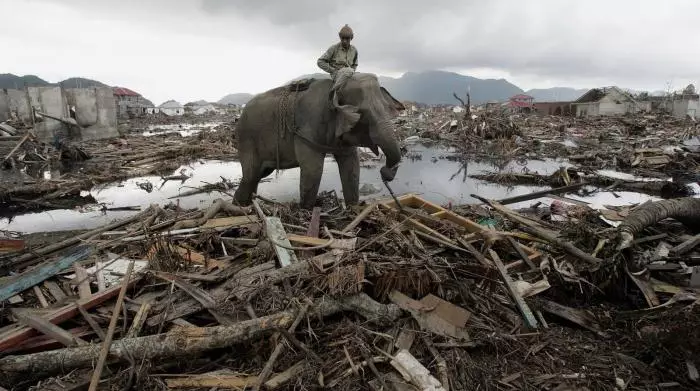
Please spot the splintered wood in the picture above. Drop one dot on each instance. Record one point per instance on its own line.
(421, 297)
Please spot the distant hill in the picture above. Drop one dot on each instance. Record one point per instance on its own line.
(8, 80)
(200, 102)
(79, 82)
(436, 87)
(556, 94)
(235, 99)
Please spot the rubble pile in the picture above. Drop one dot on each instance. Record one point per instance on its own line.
(104, 161)
(392, 295)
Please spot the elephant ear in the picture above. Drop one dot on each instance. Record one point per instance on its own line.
(394, 105)
(346, 117)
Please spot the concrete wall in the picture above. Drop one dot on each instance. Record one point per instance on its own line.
(19, 103)
(172, 111)
(95, 111)
(49, 100)
(83, 99)
(587, 109)
(4, 105)
(685, 107)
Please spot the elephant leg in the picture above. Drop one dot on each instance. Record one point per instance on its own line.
(311, 166)
(249, 181)
(349, 168)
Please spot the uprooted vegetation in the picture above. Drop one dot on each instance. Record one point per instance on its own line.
(277, 297)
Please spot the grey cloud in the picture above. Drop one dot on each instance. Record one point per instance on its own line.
(551, 39)
(548, 38)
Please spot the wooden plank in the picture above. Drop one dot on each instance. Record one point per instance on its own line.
(40, 296)
(284, 377)
(139, 320)
(418, 374)
(83, 281)
(276, 233)
(456, 315)
(93, 324)
(646, 289)
(579, 317)
(358, 219)
(100, 276)
(524, 309)
(11, 245)
(314, 228)
(42, 343)
(232, 221)
(686, 246)
(213, 380)
(41, 273)
(521, 253)
(55, 290)
(106, 344)
(340, 244)
(47, 328)
(539, 194)
(15, 336)
(426, 319)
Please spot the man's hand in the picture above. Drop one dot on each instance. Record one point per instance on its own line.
(388, 173)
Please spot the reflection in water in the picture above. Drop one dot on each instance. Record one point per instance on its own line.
(436, 177)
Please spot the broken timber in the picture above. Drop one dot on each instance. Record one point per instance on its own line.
(40, 274)
(190, 340)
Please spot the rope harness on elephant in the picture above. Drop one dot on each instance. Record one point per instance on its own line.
(287, 109)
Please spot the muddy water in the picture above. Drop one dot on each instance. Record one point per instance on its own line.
(432, 172)
(429, 171)
(184, 130)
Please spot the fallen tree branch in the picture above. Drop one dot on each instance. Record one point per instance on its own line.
(185, 341)
(685, 210)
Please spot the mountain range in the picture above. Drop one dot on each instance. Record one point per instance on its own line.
(437, 88)
(429, 87)
(8, 80)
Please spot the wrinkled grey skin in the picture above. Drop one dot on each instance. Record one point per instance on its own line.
(257, 127)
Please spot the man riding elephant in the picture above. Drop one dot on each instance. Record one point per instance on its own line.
(340, 55)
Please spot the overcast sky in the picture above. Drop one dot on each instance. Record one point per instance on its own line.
(203, 49)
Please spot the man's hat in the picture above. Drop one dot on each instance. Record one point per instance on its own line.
(346, 32)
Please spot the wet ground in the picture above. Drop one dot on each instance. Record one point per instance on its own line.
(184, 130)
(430, 171)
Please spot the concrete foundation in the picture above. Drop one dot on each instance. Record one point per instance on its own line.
(95, 110)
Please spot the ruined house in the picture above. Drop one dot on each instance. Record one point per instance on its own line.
(520, 103)
(172, 107)
(608, 101)
(130, 103)
(55, 112)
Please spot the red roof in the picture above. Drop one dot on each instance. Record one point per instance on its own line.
(121, 91)
(521, 97)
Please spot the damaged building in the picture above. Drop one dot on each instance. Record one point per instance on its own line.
(131, 104)
(608, 101)
(57, 112)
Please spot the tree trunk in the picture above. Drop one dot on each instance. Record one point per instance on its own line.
(184, 341)
(685, 210)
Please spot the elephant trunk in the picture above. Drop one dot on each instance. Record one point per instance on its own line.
(383, 136)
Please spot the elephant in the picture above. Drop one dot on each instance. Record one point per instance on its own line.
(317, 125)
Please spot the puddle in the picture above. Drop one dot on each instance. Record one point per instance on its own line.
(184, 130)
(435, 176)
